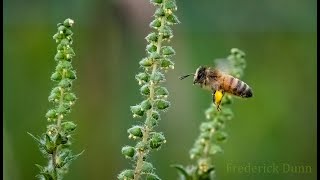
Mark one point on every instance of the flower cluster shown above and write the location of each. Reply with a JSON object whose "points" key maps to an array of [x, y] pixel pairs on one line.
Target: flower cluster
{"points": [[212, 130], [157, 62], [55, 143]]}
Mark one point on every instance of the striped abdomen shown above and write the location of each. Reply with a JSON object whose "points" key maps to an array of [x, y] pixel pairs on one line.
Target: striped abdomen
{"points": [[236, 87]]}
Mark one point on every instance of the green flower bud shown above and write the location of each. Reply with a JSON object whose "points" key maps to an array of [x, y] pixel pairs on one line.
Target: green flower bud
{"points": [[226, 114], [152, 37], [157, 140], [167, 50], [59, 56], [161, 92], [56, 76], [51, 114], [155, 23], [63, 109], [61, 28], [54, 96], [49, 145], [63, 65], [137, 111], [170, 5], [162, 104], [173, 19], [68, 127], [142, 77], [57, 37], [215, 149], [70, 97], [167, 63], [151, 176], [70, 74], [141, 146], [206, 126], [195, 152], [147, 167], [61, 139], [146, 62], [226, 100], [235, 51], [65, 83], [68, 22], [136, 131], [128, 151], [155, 115], [65, 42], [145, 105], [126, 174], [159, 12], [156, 1], [221, 136], [151, 48], [68, 32], [157, 77], [167, 33], [60, 47], [155, 55], [145, 90], [153, 122]]}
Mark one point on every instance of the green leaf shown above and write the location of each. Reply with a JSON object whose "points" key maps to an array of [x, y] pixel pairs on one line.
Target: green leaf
{"points": [[182, 171], [35, 138]]}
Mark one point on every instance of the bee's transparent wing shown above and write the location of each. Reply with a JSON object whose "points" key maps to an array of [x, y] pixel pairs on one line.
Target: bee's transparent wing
{"points": [[223, 64]]}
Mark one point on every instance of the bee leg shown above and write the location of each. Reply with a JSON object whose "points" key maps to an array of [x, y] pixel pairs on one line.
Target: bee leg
{"points": [[213, 96], [217, 96]]}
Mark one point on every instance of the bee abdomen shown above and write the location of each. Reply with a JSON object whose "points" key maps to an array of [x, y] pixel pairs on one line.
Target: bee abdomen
{"points": [[242, 89]]}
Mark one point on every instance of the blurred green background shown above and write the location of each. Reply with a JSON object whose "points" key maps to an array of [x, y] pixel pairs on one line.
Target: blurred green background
{"points": [[278, 125]]}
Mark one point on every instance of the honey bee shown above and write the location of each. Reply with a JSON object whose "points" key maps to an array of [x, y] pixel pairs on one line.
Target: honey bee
{"points": [[219, 83]]}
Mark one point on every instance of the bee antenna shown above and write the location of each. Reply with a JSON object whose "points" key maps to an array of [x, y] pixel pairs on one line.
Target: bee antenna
{"points": [[182, 77]]}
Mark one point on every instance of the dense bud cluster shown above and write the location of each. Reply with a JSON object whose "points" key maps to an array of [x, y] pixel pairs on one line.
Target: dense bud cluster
{"points": [[54, 144], [154, 66], [212, 130]]}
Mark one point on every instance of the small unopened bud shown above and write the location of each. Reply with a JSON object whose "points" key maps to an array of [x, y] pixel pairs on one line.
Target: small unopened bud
{"points": [[128, 151]]}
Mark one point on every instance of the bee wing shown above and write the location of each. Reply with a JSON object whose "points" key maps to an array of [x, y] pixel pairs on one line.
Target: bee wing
{"points": [[223, 64]]}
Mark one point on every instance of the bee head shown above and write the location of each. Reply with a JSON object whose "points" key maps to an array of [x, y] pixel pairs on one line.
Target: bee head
{"points": [[200, 75]]}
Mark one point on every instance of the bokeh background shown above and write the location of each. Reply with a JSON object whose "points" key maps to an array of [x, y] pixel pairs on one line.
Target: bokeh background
{"points": [[278, 125]]}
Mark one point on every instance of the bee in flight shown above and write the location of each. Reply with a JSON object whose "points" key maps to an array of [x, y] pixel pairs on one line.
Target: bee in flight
{"points": [[219, 83]]}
